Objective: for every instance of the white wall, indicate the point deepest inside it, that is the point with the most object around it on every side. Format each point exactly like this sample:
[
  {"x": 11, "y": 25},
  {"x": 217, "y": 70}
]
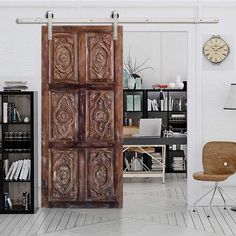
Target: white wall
[
  {"x": 166, "y": 51},
  {"x": 20, "y": 53}
]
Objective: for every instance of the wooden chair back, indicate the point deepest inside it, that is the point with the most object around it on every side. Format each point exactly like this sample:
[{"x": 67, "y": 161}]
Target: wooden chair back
[{"x": 219, "y": 158}]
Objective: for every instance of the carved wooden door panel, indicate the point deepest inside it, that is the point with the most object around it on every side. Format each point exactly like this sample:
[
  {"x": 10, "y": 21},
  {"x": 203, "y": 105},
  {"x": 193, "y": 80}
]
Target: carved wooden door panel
[{"x": 82, "y": 117}]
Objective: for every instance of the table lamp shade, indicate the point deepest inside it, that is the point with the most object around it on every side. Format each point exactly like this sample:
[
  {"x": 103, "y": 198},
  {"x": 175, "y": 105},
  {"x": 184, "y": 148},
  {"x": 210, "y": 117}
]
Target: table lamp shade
[{"x": 230, "y": 103}]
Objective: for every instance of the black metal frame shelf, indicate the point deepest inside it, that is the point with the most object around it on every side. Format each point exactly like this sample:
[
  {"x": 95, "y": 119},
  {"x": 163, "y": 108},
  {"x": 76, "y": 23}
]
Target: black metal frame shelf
[
  {"x": 19, "y": 145},
  {"x": 178, "y": 124}
]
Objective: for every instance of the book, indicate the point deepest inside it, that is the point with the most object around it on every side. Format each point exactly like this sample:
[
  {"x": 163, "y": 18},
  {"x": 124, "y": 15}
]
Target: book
[
  {"x": 9, "y": 202},
  {"x": 9, "y": 172},
  {"x": 23, "y": 169},
  {"x": 165, "y": 103},
  {"x": 18, "y": 116},
  {"x": 29, "y": 173},
  {"x": 18, "y": 169},
  {"x": 10, "y": 110},
  {"x": 177, "y": 115},
  {"x": 5, "y": 112},
  {"x": 26, "y": 171},
  {"x": 6, "y": 166},
  {"x": 10, "y": 83},
  {"x": 155, "y": 105},
  {"x": 5, "y": 201},
  {"x": 14, "y": 170},
  {"x": 15, "y": 85},
  {"x": 149, "y": 105}
]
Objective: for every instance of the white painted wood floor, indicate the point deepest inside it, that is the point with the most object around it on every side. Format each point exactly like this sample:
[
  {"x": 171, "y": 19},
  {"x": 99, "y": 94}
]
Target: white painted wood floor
[{"x": 150, "y": 208}]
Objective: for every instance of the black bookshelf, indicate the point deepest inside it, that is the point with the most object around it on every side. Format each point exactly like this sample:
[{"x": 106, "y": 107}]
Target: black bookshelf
[
  {"x": 173, "y": 117},
  {"x": 18, "y": 145}
]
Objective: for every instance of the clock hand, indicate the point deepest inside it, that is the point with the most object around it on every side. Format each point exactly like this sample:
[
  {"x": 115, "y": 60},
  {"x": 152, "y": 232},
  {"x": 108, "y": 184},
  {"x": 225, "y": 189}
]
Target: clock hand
[{"x": 220, "y": 47}]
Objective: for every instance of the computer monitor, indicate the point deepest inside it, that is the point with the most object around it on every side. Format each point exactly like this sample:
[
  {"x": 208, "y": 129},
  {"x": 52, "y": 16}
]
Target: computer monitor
[{"x": 150, "y": 127}]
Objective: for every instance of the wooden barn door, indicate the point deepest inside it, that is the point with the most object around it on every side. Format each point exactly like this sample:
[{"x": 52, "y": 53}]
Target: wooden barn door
[{"x": 82, "y": 117}]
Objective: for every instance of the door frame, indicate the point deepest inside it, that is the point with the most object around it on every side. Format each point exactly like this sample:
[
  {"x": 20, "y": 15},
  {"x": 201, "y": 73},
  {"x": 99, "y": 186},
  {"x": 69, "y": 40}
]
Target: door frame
[{"x": 194, "y": 98}]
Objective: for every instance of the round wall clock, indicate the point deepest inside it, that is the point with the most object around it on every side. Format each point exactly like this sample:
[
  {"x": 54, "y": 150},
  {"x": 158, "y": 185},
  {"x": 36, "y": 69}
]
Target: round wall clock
[{"x": 215, "y": 49}]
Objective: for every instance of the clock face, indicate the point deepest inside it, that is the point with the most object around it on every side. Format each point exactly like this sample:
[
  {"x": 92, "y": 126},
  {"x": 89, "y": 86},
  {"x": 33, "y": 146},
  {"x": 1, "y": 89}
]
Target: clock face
[{"x": 216, "y": 50}]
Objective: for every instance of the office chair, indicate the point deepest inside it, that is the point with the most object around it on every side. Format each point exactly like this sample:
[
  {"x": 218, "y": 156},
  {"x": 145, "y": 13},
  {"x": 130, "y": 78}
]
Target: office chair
[{"x": 219, "y": 163}]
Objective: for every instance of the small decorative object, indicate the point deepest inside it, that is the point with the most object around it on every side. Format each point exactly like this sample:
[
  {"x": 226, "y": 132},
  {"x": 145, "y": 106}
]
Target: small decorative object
[
  {"x": 171, "y": 85},
  {"x": 138, "y": 83},
  {"x": 215, "y": 49},
  {"x": 131, "y": 82},
  {"x": 130, "y": 122},
  {"x": 14, "y": 119},
  {"x": 26, "y": 119},
  {"x": 159, "y": 86},
  {"x": 133, "y": 68},
  {"x": 179, "y": 83}
]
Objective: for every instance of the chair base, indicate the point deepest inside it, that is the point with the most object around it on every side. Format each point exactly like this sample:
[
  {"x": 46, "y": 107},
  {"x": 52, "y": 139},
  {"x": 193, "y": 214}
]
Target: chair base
[{"x": 222, "y": 193}]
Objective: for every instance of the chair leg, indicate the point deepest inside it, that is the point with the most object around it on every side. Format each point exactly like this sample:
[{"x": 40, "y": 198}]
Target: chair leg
[
  {"x": 221, "y": 194},
  {"x": 209, "y": 207},
  {"x": 226, "y": 195},
  {"x": 194, "y": 204}
]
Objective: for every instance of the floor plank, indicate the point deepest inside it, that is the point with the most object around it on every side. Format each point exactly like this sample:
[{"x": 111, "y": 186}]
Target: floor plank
[
  {"x": 26, "y": 223},
  {"x": 44, "y": 227},
  {"x": 216, "y": 227},
  {"x": 55, "y": 221},
  {"x": 73, "y": 218},
  {"x": 64, "y": 220},
  {"x": 39, "y": 221},
  {"x": 221, "y": 221},
  {"x": 205, "y": 220}
]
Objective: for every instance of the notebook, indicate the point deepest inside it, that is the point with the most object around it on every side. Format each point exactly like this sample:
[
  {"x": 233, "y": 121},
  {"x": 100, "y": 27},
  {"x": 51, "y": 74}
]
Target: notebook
[{"x": 150, "y": 127}]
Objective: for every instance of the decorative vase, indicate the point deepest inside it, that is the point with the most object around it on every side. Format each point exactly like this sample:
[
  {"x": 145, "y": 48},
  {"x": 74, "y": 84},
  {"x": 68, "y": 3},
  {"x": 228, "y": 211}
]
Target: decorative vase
[
  {"x": 171, "y": 85},
  {"x": 138, "y": 83},
  {"x": 125, "y": 78},
  {"x": 131, "y": 83},
  {"x": 179, "y": 83}
]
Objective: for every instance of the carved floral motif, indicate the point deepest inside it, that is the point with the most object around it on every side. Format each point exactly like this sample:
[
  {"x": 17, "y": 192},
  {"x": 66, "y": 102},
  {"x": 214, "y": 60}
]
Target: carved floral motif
[
  {"x": 64, "y": 59},
  {"x": 100, "y": 174},
  {"x": 100, "y": 48},
  {"x": 64, "y": 175},
  {"x": 101, "y": 117},
  {"x": 64, "y": 111}
]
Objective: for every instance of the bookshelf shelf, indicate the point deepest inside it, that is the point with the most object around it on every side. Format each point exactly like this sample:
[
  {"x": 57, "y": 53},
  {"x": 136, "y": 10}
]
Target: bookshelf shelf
[
  {"x": 17, "y": 181},
  {"x": 172, "y": 111},
  {"x": 18, "y": 153},
  {"x": 16, "y": 123}
]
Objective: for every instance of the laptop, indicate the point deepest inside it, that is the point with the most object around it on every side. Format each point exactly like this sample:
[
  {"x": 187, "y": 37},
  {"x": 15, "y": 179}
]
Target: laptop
[{"x": 150, "y": 127}]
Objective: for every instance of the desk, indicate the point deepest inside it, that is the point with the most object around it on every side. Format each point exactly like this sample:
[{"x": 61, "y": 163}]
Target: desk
[{"x": 135, "y": 141}]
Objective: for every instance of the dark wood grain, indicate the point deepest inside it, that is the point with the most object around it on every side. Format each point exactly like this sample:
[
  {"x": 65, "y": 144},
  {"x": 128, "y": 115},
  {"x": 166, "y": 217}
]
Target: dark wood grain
[{"x": 82, "y": 117}]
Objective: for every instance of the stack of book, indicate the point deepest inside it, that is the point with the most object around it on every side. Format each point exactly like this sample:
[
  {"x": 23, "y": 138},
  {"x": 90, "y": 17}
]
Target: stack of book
[
  {"x": 156, "y": 165},
  {"x": 10, "y": 113},
  {"x": 177, "y": 163},
  {"x": 15, "y": 86},
  {"x": 155, "y": 105},
  {"x": 19, "y": 170}
]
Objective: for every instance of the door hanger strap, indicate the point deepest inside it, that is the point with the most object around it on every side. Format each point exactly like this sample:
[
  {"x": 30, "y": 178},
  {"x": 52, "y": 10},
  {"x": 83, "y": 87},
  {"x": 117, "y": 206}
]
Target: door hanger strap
[
  {"x": 49, "y": 16},
  {"x": 115, "y": 15}
]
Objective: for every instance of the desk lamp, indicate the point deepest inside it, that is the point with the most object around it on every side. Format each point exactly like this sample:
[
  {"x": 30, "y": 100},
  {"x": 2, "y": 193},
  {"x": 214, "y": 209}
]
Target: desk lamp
[{"x": 230, "y": 104}]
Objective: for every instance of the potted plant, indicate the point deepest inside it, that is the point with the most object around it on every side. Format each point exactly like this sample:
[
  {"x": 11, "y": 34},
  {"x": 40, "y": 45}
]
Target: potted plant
[{"x": 134, "y": 69}]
